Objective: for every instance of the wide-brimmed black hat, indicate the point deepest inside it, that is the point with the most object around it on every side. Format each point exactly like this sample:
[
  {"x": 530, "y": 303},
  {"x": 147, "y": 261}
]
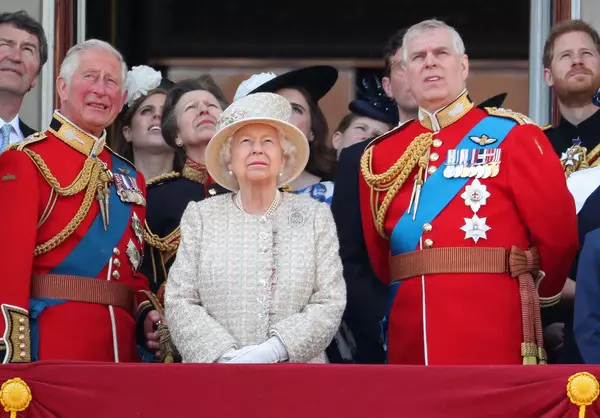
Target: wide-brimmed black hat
[
  {"x": 373, "y": 102},
  {"x": 316, "y": 80},
  {"x": 495, "y": 101}
]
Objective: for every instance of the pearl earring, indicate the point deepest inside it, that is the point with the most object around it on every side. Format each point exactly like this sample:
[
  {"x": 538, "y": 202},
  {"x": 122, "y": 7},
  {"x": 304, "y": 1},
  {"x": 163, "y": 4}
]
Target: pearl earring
[
  {"x": 230, "y": 173},
  {"x": 280, "y": 173},
  {"x": 179, "y": 142}
]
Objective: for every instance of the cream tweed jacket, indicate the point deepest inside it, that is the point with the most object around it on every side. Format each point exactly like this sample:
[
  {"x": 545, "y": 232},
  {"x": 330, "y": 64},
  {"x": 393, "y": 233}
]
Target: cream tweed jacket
[{"x": 239, "y": 279}]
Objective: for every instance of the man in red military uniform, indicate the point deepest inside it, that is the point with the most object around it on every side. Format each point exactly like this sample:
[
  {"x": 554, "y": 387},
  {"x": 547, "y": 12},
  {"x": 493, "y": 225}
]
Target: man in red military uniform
[
  {"x": 465, "y": 212},
  {"x": 72, "y": 219}
]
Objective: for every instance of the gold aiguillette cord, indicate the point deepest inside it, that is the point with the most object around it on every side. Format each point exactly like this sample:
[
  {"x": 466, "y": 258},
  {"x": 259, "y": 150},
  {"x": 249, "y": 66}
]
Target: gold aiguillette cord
[
  {"x": 418, "y": 184},
  {"x": 103, "y": 193}
]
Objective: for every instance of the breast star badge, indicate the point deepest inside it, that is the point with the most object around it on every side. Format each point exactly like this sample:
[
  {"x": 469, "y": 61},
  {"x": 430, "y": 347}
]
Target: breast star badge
[
  {"x": 475, "y": 195},
  {"x": 475, "y": 228}
]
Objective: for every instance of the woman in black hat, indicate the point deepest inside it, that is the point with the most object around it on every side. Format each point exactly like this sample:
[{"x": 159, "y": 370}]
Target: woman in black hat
[
  {"x": 304, "y": 88},
  {"x": 139, "y": 136}
]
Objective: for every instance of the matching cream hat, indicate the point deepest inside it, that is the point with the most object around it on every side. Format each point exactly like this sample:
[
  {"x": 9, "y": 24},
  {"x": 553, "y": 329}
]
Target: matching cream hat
[{"x": 268, "y": 108}]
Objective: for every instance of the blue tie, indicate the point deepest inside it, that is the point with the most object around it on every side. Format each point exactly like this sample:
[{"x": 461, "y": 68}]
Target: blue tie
[{"x": 5, "y": 132}]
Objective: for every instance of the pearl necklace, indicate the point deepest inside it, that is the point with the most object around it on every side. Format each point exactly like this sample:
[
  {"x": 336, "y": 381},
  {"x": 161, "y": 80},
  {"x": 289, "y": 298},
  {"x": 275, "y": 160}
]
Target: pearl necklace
[{"x": 270, "y": 210}]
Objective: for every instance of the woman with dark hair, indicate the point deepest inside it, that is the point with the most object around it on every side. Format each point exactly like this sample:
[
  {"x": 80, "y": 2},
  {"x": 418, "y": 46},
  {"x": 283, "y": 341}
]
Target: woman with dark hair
[
  {"x": 303, "y": 88},
  {"x": 191, "y": 110},
  {"x": 139, "y": 136}
]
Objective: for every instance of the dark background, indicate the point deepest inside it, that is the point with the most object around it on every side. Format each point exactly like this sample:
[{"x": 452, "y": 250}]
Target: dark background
[{"x": 154, "y": 29}]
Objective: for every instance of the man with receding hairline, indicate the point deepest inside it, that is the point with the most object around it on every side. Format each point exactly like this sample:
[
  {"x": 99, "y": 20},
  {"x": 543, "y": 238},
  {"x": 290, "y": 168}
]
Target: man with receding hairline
[
  {"x": 72, "y": 218},
  {"x": 454, "y": 208}
]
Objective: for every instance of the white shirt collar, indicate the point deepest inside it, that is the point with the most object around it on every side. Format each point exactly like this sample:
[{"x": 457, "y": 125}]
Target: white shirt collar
[{"x": 15, "y": 124}]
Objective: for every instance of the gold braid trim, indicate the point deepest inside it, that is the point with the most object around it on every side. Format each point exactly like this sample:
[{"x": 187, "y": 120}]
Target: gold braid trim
[
  {"x": 74, "y": 223},
  {"x": 162, "y": 177},
  {"x": 89, "y": 176},
  {"x": 394, "y": 178},
  {"x": 162, "y": 244},
  {"x": 81, "y": 181}
]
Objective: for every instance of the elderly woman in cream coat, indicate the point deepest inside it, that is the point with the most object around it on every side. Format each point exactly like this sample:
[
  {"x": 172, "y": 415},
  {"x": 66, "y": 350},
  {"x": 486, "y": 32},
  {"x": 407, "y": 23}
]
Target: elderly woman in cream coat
[{"x": 257, "y": 278}]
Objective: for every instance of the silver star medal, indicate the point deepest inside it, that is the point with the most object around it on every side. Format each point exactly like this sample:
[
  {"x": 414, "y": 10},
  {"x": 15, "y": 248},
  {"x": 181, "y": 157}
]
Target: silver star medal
[
  {"x": 475, "y": 228},
  {"x": 475, "y": 195}
]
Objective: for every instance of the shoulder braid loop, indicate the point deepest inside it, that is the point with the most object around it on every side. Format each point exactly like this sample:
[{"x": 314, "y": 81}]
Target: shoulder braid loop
[{"x": 394, "y": 178}]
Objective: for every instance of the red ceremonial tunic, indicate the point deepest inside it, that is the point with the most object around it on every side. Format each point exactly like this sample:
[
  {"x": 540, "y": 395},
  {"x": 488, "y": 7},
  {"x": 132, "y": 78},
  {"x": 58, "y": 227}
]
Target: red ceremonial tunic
[
  {"x": 472, "y": 318},
  {"x": 31, "y": 213}
]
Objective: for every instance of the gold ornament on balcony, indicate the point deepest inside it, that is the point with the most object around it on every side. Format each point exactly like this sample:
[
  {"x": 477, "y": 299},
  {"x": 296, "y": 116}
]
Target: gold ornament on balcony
[
  {"x": 15, "y": 396},
  {"x": 583, "y": 390}
]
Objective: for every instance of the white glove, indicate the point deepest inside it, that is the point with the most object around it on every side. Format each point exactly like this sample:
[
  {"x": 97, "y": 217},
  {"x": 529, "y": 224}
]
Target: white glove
[
  {"x": 271, "y": 351},
  {"x": 233, "y": 353}
]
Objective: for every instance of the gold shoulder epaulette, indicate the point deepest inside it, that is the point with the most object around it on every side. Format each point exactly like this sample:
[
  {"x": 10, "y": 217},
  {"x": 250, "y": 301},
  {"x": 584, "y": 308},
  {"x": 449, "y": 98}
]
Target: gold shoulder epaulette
[
  {"x": 546, "y": 126},
  {"x": 31, "y": 139},
  {"x": 169, "y": 243},
  {"x": 520, "y": 118},
  {"x": 163, "y": 177},
  {"x": 389, "y": 133}
]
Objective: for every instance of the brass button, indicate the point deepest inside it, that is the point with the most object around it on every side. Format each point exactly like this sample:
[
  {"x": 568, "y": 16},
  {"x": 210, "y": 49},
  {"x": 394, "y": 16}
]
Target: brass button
[
  {"x": 21, "y": 320},
  {"x": 432, "y": 169},
  {"x": 23, "y": 354},
  {"x": 22, "y": 346},
  {"x": 116, "y": 274},
  {"x": 117, "y": 262},
  {"x": 427, "y": 227},
  {"x": 437, "y": 143},
  {"x": 21, "y": 329},
  {"x": 116, "y": 251},
  {"x": 434, "y": 156},
  {"x": 428, "y": 243},
  {"x": 212, "y": 192},
  {"x": 21, "y": 337}
]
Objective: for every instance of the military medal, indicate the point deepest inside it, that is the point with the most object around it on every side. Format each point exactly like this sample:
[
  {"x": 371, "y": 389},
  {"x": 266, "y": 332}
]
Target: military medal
[
  {"x": 128, "y": 190},
  {"x": 475, "y": 228},
  {"x": 464, "y": 158},
  {"x": 486, "y": 158},
  {"x": 450, "y": 164},
  {"x": 475, "y": 195},
  {"x": 136, "y": 224},
  {"x": 134, "y": 256},
  {"x": 480, "y": 163},
  {"x": 496, "y": 162}
]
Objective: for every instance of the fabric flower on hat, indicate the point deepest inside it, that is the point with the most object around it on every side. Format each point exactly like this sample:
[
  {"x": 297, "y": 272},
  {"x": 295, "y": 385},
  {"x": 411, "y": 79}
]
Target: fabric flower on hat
[
  {"x": 140, "y": 80},
  {"x": 248, "y": 85}
]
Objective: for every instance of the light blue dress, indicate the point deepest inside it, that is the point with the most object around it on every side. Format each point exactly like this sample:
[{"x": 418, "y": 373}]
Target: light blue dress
[{"x": 323, "y": 191}]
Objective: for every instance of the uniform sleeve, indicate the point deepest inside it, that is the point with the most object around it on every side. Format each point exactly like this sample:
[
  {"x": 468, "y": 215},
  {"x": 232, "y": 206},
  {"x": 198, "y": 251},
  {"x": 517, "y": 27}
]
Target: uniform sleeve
[
  {"x": 19, "y": 214},
  {"x": 545, "y": 205},
  {"x": 586, "y": 324},
  {"x": 366, "y": 293},
  {"x": 140, "y": 280},
  {"x": 197, "y": 335},
  {"x": 308, "y": 333}
]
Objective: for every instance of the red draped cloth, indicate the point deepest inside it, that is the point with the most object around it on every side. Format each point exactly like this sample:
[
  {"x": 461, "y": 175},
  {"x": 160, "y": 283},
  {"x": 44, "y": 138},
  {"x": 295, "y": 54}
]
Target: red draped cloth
[{"x": 99, "y": 390}]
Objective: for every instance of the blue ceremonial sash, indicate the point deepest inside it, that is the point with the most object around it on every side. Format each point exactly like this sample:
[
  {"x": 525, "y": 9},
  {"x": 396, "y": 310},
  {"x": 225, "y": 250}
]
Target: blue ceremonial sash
[
  {"x": 90, "y": 255},
  {"x": 438, "y": 191}
]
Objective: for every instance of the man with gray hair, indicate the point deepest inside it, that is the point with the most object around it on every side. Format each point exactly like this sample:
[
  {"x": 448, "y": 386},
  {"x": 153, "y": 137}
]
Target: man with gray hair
[
  {"x": 462, "y": 210},
  {"x": 72, "y": 219}
]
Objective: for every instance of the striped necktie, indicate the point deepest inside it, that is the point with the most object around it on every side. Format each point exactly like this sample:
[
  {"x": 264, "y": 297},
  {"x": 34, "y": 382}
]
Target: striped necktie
[{"x": 5, "y": 132}]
